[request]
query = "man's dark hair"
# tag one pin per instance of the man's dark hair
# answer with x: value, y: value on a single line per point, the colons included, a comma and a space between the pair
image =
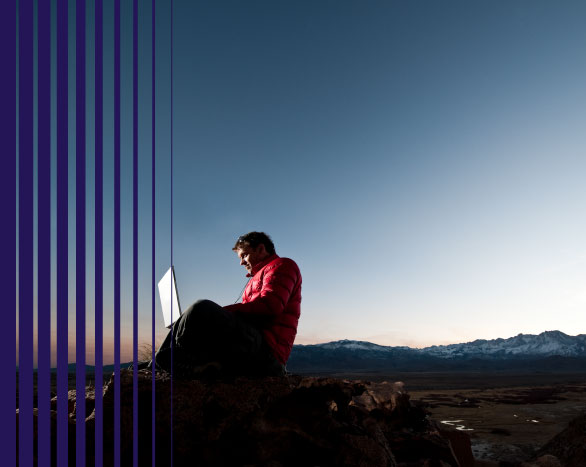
x: 254, y: 239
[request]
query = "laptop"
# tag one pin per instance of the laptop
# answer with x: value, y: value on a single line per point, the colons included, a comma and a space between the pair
x: 169, y: 298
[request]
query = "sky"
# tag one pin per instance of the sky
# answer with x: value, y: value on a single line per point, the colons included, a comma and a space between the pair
x: 422, y: 162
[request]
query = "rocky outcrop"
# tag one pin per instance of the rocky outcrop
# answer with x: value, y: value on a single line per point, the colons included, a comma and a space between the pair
x: 291, y: 421
x: 569, y: 446
x: 288, y: 421
x: 53, y: 421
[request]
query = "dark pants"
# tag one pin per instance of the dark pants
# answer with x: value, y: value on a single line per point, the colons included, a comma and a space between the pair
x: 207, y: 333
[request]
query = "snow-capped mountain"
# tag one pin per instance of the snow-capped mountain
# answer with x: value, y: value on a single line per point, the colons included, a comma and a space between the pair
x: 546, y: 344
x: 357, y: 345
x: 548, y: 351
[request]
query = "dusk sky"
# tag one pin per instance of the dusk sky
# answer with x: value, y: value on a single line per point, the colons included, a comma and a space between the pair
x: 423, y: 162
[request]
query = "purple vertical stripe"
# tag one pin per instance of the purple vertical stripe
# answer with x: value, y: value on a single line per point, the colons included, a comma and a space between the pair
x: 44, y: 234
x: 117, y: 233
x: 172, y: 327
x: 7, y: 251
x: 62, y: 233
x: 135, y: 232
x: 25, y: 250
x: 153, y: 439
x: 99, y: 232
x: 80, y: 233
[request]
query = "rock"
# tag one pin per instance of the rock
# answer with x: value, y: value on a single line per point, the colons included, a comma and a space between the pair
x: 543, y: 461
x: 53, y: 418
x: 70, y: 401
x: 460, y: 444
x: 275, y: 421
x: 289, y: 421
x: 90, y: 401
x: 568, y: 446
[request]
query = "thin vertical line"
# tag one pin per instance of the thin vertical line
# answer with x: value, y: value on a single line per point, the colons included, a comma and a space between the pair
x: 62, y: 231
x: 117, y: 233
x: 172, y: 327
x: 80, y: 243
x: 99, y: 232
x: 44, y: 233
x: 25, y: 232
x: 153, y: 238
x: 8, y: 252
x: 135, y: 232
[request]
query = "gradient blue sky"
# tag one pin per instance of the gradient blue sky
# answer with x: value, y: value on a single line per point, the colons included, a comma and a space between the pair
x: 423, y: 162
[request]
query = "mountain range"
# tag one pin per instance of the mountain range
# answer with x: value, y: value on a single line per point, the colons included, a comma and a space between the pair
x: 548, y: 351
x: 546, y: 344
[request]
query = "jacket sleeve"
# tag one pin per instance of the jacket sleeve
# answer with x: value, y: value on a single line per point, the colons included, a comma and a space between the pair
x: 278, y: 283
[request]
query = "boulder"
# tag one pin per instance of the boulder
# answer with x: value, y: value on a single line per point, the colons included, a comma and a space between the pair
x: 70, y: 401
x: 53, y: 421
x: 274, y: 421
x: 279, y: 421
x: 568, y: 446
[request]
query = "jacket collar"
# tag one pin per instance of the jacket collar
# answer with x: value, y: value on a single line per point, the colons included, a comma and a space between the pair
x: 262, y: 264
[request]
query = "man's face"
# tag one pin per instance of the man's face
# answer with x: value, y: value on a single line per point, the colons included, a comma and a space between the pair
x: 250, y: 257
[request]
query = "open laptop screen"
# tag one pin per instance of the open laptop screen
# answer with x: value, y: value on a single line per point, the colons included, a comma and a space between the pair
x: 169, y: 297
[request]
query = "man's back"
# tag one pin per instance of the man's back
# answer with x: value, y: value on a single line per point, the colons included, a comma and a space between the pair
x: 275, y: 292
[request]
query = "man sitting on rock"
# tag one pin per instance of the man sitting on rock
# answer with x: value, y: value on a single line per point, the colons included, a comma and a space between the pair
x: 254, y: 337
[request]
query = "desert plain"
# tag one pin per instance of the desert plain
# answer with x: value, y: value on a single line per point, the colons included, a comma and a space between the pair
x: 509, y: 416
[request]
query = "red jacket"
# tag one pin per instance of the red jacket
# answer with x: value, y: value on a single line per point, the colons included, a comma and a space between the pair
x: 273, y: 297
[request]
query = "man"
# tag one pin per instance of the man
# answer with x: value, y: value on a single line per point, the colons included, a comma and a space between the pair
x: 254, y: 337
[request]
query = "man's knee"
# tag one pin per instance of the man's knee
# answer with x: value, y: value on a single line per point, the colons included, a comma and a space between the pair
x: 202, y: 311
x: 206, y: 304
x: 197, y: 322
x: 199, y: 306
